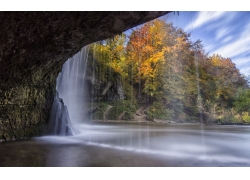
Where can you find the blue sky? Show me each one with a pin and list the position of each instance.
(224, 32)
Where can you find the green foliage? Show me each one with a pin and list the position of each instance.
(109, 58)
(100, 108)
(246, 117)
(129, 91)
(127, 115)
(158, 111)
(114, 113)
(231, 116)
(242, 100)
(127, 107)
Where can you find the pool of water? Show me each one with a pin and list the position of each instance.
(136, 145)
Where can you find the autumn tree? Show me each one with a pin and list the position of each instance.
(173, 76)
(145, 52)
(160, 56)
(222, 80)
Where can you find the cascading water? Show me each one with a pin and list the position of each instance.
(60, 123)
(68, 107)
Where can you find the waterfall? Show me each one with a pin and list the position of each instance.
(69, 101)
(60, 123)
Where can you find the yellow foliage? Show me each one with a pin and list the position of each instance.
(246, 117)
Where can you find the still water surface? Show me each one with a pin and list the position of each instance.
(137, 145)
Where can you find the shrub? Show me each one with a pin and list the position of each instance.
(246, 117)
(242, 100)
(159, 111)
(98, 113)
(127, 106)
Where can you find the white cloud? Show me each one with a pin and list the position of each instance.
(226, 39)
(209, 47)
(242, 61)
(238, 47)
(221, 32)
(243, 64)
(226, 35)
(245, 71)
(204, 17)
(227, 19)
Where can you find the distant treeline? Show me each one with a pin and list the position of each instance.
(162, 68)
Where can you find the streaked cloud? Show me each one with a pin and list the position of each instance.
(243, 64)
(237, 47)
(203, 18)
(226, 39)
(242, 61)
(225, 33)
(221, 32)
(209, 47)
(245, 71)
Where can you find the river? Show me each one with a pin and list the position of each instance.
(136, 145)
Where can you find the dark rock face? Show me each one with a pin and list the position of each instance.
(31, 40)
(25, 109)
(33, 47)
